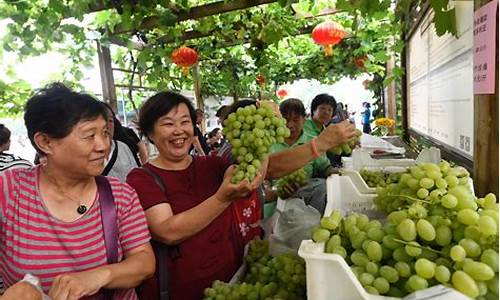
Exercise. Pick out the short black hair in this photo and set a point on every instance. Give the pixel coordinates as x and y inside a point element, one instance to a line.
<point>221,112</point>
<point>56,109</point>
<point>4,135</point>
<point>159,105</point>
<point>241,103</point>
<point>292,106</point>
<point>323,99</point>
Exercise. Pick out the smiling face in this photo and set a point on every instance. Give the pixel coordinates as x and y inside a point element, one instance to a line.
<point>84,150</point>
<point>173,134</point>
<point>323,113</point>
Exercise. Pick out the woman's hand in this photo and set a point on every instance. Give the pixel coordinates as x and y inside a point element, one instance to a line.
<point>22,291</point>
<point>228,191</point>
<point>335,135</point>
<point>290,189</point>
<point>73,286</point>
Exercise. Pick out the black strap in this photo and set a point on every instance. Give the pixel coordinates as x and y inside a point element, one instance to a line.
<point>111,161</point>
<point>161,250</point>
<point>109,225</point>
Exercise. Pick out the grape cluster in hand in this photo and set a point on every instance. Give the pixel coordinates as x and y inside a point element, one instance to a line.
<point>298,178</point>
<point>251,131</point>
<point>379,178</point>
<point>346,148</point>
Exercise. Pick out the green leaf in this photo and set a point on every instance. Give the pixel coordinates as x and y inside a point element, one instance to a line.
<point>445,22</point>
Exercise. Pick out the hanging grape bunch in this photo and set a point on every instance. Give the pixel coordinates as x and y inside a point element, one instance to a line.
<point>436,232</point>
<point>298,178</point>
<point>347,147</point>
<point>268,277</point>
<point>251,132</point>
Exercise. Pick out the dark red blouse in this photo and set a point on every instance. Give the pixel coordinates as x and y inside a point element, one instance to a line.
<point>210,254</point>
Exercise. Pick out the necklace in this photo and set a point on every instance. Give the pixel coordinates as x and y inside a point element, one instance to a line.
<point>81,209</point>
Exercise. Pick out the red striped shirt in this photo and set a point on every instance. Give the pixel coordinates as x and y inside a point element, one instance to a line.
<point>33,241</point>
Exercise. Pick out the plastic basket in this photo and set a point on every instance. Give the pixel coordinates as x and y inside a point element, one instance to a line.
<point>361,159</point>
<point>328,275</point>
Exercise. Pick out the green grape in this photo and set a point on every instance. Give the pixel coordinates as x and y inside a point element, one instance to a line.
<point>366,279</point>
<point>400,254</point>
<point>396,217</point>
<point>425,230</point>
<point>417,283</point>
<point>451,180</point>
<point>472,249</point>
<point>381,284</point>
<point>449,201</point>
<point>490,257</point>
<point>443,235</point>
<point>425,268</point>
<point>407,230</point>
<point>371,290</point>
<point>371,268</point>
<point>487,225</point>
<point>457,253</point>
<point>389,273</point>
<point>375,233</point>
<point>329,223</point>
<point>413,184</point>
<point>493,285</point>
<point>426,183</point>
<point>442,274</point>
<point>413,249</point>
<point>389,242</point>
<point>478,270</point>
<point>468,217</point>
<point>374,251</point>
<point>395,292</point>
<point>422,193</point>
<point>465,284</point>
<point>472,232</point>
<point>359,258</point>
<point>362,221</point>
<point>333,243</point>
<point>403,268</point>
<point>441,183</point>
<point>321,235</point>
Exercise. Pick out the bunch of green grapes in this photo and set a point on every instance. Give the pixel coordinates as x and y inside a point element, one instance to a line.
<point>298,177</point>
<point>451,240</point>
<point>346,148</point>
<point>268,277</point>
<point>251,132</point>
<point>428,184</point>
<point>379,178</point>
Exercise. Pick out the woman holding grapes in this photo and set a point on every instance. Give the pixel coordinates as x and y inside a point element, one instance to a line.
<point>187,201</point>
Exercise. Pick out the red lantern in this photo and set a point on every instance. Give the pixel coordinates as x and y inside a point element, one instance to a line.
<point>261,80</point>
<point>359,61</point>
<point>282,93</point>
<point>328,34</point>
<point>184,57</point>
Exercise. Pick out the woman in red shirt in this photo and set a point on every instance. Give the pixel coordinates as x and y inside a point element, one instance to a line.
<point>193,215</point>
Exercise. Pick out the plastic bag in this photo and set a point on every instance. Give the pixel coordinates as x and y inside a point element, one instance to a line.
<point>293,225</point>
<point>314,194</point>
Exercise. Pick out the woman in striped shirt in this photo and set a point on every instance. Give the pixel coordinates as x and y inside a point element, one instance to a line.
<point>50,215</point>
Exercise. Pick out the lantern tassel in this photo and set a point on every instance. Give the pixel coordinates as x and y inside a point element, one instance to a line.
<point>185,71</point>
<point>328,50</point>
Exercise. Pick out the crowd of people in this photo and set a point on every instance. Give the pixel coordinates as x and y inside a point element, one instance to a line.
<point>96,218</point>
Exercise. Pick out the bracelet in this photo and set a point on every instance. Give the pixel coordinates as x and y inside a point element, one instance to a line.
<point>314,148</point>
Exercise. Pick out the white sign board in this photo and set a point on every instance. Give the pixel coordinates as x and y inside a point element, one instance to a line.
<point>439,82</point>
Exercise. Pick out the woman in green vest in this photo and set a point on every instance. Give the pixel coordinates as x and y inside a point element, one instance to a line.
<point>322,110</point>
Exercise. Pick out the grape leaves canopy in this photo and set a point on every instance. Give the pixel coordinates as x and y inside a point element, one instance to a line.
<point>236,40</point>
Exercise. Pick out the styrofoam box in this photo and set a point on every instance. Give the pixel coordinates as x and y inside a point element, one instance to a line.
<point>328,275</point>
<point>361,159</point>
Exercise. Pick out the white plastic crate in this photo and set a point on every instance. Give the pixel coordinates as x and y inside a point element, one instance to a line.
<point>330,278</point>
<point>343,194</point>
<point>328,275</point>
<point>361,159</point>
